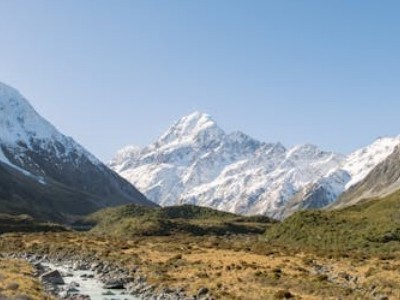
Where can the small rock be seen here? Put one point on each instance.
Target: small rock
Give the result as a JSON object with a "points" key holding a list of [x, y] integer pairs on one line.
{"points": [[66, 274], [202, 291], [78, 297], [96, 266], [53, 277], [108, 293], [72, 290], [12, 286], [115, 284], [73, 285], [168, 291], [345, 276]]}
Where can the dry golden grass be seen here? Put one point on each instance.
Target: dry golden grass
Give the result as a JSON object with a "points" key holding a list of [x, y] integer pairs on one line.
{"points": [[231, 267], [17, 282]]}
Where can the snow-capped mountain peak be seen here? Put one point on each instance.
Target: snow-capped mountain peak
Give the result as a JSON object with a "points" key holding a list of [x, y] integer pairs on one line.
{"points": [[21, 127], [195, 128], [196, 162], [31, 147], [19, 122]]}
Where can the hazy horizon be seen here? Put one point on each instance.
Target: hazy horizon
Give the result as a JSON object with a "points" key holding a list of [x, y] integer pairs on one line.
{"points": [[293, 72]]}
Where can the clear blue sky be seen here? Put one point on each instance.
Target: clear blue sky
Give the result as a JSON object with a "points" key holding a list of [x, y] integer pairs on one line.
{"points": [[111, 73]]}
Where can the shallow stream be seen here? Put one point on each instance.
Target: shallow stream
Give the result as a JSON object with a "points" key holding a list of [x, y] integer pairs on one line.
{"points": [[87, 283]]}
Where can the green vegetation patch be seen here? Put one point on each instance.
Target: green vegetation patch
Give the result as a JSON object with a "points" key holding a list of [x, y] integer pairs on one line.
{"points": [[371, 227], [132, 220]]}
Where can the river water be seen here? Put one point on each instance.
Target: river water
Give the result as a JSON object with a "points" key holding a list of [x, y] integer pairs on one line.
{"points": [[87, 286]]}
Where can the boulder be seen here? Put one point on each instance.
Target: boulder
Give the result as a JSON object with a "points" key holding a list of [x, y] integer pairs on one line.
{"points": [[114, 284], [53, 277]]}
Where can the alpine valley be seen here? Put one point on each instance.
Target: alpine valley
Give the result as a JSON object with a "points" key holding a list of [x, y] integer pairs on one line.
{"points": [[242, 194], [232, 218], [196, 162]]}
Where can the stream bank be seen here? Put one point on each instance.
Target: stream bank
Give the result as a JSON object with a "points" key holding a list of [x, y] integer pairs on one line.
{"points": [[82, 279]]}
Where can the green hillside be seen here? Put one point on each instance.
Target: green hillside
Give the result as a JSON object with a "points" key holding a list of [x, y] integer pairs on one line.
{"points": [[372, 227], [130, 220]]}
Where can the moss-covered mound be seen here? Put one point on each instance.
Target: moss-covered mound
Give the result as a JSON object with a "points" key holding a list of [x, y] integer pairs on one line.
{"points": [[130, 220]]}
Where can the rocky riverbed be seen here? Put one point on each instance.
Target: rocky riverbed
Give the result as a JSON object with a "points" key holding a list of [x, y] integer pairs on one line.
{"points": [[82, 279]]}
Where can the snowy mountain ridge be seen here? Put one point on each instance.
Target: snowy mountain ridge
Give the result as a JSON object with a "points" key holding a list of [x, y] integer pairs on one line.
{"points": [[352, 170], [359, 163], [20, 125], [196, 162], [47, 174]]}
